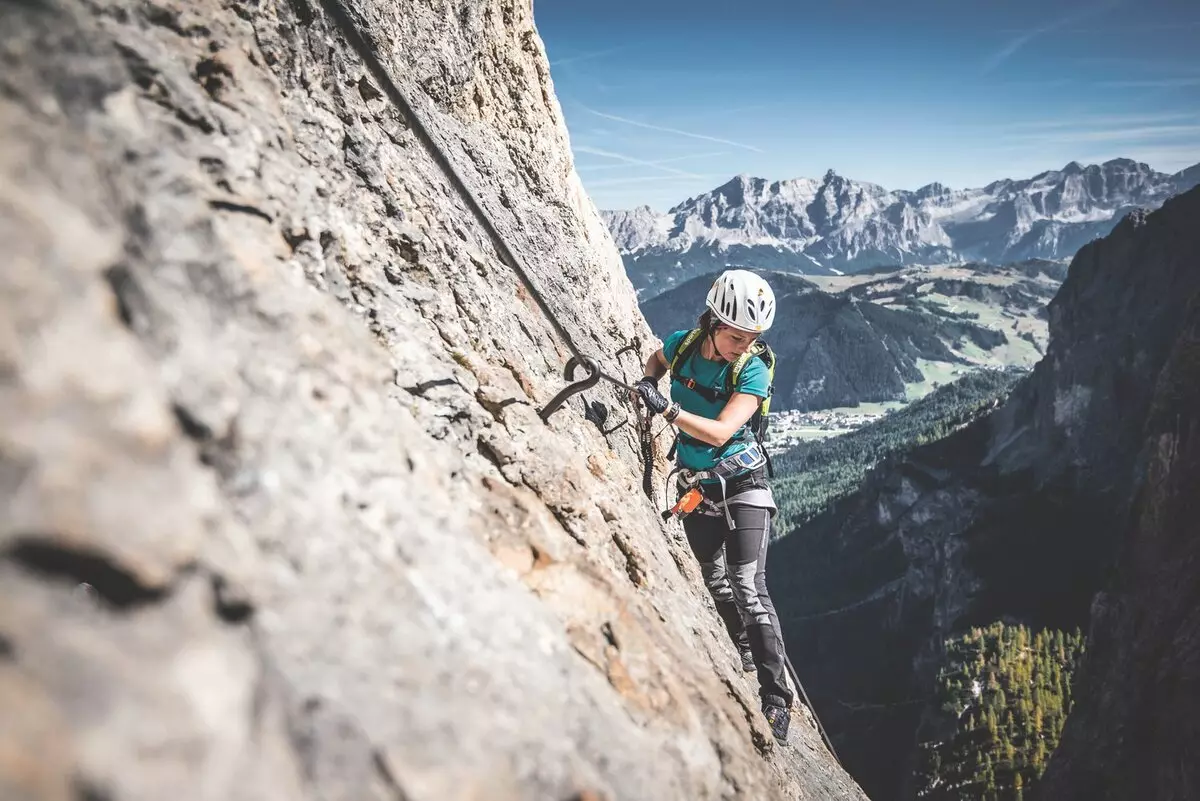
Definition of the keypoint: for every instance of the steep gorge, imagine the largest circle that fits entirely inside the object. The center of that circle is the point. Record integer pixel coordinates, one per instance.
(280, 518)
(1019, 516)
(1135, 732)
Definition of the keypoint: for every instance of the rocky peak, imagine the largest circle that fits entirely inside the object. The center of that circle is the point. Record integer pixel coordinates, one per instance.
(1189, 176)
(637, 228)
(933, 190)
(1126, 164)
(281, 517)
(807, 225)
(739, 190)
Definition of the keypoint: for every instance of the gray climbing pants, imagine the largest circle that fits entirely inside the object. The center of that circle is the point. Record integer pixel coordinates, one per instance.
(733, 563)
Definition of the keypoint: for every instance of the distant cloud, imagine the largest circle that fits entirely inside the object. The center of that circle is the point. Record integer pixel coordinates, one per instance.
(1152, 26)
(1097, 122)
(675, 131)
(1116, 134)
(608, 154)
(1167, 158)
(1153, 83)
(1019, 41)
(1137, 62)
(1050, 83)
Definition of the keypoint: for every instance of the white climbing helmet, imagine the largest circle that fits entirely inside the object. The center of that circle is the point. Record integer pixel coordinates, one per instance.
(743, 300)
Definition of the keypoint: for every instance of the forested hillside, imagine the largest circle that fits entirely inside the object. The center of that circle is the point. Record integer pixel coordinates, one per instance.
(1003, 695)
(811, 475)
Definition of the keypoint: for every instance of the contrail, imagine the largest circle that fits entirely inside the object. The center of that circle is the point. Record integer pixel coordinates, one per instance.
(676, 131)
(1004, 53)
(657, 162)
(642, 179)
(587, 56)
(631, 160)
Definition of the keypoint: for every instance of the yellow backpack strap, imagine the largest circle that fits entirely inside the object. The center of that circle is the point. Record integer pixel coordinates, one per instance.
(736, 371)
(757, 349)
(691, 337)
(769, 358)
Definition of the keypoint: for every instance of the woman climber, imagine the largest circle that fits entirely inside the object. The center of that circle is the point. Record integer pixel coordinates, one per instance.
(716, 391)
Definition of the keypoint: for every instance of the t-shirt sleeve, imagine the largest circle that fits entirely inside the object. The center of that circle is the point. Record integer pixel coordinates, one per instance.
(671, 344)
(754, 379)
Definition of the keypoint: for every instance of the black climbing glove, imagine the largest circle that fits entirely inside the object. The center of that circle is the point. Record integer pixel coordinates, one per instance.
(654, 400)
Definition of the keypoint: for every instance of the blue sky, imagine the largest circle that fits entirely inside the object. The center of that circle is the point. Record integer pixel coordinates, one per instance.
(665, 99)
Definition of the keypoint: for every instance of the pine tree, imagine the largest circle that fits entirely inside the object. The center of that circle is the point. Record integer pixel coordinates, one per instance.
(1002, 739)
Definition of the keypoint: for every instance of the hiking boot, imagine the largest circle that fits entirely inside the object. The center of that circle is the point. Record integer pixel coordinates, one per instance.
(747, 660)
(778, 718)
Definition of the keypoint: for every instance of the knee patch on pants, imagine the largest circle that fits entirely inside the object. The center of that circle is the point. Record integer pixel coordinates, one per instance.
(745, 594)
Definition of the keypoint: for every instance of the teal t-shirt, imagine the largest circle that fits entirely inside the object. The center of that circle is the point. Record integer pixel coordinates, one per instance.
(753, 380)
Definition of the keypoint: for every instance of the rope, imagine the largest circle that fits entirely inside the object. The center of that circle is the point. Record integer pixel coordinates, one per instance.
(796, 680)
(345, 22)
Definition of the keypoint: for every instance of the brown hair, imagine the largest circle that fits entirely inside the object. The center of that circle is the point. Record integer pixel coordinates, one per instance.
(706, 323)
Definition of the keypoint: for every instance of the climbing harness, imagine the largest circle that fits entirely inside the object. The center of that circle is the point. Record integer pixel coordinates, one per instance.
(751, 458)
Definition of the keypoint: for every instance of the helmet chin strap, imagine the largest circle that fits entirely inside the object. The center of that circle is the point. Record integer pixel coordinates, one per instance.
(712, 340)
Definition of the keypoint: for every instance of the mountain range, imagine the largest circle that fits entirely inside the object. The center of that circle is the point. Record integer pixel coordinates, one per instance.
(888, 336)
(834, 224)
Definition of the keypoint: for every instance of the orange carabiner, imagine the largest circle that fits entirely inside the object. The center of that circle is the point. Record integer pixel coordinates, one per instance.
(686, 504)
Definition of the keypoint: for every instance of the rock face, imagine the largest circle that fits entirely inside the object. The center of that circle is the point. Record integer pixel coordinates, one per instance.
(279, 516)
(1018, 516)
(837, 224)
(1134, 731)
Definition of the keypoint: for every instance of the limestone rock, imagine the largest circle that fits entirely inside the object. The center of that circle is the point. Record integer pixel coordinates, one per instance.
(280, 519)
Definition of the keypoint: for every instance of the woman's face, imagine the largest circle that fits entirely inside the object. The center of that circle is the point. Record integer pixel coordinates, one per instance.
(732, 342)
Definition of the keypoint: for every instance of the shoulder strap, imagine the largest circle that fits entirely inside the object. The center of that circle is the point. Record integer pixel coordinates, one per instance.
(758, 421)
(763, 351)
(690, 342)
(689, 345)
